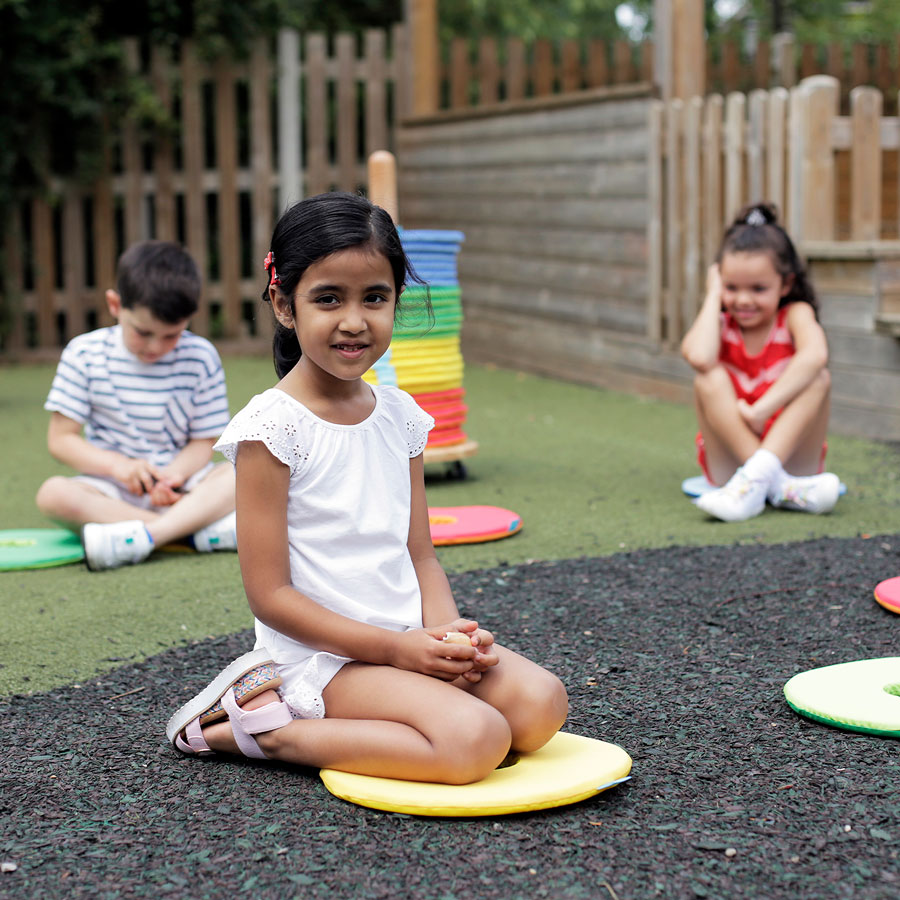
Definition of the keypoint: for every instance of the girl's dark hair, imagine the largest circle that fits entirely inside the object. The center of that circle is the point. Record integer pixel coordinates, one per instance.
(317, 227)
(756, 229)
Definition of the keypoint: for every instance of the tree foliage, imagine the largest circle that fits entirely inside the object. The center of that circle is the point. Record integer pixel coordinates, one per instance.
(529, 19)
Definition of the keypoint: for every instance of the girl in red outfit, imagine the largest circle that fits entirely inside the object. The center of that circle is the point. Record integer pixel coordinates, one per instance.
(761, 389)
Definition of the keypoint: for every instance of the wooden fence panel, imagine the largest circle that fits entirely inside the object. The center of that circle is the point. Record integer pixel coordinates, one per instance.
(346, 135)
(516, 69)
(220, 200)
(317, 179)
(775, 147)
(712, 176)
(195, 224)
(261, 163)
(673, 221)
(865, 172)
(488, 72)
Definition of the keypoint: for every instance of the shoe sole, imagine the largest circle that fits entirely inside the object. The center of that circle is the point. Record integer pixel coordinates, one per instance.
(201, 702)
(87, 558)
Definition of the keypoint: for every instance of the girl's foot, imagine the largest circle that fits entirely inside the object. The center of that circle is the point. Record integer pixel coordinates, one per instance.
(808, 493)
(247, 677)
(741, 498)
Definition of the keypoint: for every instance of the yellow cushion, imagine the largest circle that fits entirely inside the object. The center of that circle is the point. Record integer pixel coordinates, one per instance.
(567, 769)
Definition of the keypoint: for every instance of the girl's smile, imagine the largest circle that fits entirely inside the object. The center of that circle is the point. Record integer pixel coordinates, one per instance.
(342, 313)
(752, 289)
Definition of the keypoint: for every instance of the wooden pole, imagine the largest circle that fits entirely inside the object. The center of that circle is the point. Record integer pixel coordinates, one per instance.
(383, 181)
(679, 49)
(422, 16)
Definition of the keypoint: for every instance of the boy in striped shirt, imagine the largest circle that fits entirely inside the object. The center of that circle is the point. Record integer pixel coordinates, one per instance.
(135, 408)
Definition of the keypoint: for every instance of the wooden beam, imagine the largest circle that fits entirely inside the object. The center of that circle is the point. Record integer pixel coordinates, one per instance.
(423, 29)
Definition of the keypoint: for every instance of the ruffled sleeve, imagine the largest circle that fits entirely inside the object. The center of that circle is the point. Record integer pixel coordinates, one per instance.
(415, 422)
(271, 418)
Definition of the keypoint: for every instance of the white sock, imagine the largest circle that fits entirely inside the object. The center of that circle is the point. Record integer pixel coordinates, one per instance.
(766, 467)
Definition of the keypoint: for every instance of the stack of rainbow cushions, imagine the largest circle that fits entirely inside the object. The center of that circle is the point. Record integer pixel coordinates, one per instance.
(427, 362)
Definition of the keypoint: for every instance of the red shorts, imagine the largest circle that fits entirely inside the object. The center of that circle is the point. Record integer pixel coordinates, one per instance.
(701, 453)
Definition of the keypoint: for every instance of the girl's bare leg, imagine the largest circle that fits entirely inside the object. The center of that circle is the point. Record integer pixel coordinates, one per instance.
(391, 723)
(729, 440)
(532, 700)
(797, 435)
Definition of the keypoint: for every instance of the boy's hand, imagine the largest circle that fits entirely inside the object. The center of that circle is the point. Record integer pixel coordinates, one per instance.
(137, 475)
(167, 489)
(164, 494)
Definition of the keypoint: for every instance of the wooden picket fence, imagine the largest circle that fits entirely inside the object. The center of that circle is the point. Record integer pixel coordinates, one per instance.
(834, 177)
(487, 71)
(294, 119)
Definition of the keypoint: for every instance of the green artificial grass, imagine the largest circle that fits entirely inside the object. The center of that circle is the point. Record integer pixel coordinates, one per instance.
(590, 472)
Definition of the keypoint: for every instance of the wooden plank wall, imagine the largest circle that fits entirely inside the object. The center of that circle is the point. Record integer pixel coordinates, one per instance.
(253, 136)
(853, 280)
(552, 198)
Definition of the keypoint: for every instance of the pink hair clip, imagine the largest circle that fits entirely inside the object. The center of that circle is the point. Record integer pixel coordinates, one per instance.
(269, 263)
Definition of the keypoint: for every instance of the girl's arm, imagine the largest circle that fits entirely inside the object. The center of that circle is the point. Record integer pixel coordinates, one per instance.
(700, 346)
(262, 484)
(810, 358)
(438, 606)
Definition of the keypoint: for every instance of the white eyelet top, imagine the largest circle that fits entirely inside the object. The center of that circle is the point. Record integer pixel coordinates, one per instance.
(348, 510)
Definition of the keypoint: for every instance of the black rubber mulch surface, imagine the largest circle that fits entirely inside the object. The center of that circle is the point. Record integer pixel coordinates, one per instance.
(678, 655)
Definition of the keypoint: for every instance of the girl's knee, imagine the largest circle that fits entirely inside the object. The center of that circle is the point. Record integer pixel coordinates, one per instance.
(545, 705)
(711, 382)
(471, 753)
(822, 381)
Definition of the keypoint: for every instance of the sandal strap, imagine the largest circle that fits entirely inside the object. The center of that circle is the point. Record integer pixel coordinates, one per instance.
(244, 724)
(195, 743)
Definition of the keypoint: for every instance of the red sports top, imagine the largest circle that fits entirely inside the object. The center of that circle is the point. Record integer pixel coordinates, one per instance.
(753, 375)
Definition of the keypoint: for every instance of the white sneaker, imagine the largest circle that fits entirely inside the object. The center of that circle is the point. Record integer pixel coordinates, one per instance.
(808, 493)
(116, 544)
(741, 498)
(220, 535)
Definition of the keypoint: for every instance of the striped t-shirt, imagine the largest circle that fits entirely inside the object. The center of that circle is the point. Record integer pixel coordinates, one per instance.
(142, 410)
(752, 375)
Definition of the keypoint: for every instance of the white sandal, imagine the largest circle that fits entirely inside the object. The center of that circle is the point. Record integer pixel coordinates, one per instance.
(245, 678)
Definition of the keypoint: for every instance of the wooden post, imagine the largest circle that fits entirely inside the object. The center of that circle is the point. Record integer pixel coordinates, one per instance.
(423, 32)
(383, 181)
(865, 164)
(290, 115)
(821, 95)
(679, 48)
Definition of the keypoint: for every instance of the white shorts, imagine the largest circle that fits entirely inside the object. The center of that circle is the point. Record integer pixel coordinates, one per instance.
(302, 683)
(115, 490)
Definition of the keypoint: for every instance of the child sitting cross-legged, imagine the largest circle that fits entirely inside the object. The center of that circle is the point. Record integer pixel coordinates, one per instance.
(135, 409)
(761, 387)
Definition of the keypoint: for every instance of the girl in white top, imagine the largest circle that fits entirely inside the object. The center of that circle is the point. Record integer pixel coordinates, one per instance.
(352, 669)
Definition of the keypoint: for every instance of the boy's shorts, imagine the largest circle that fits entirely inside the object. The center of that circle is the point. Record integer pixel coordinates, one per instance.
(115, 490)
